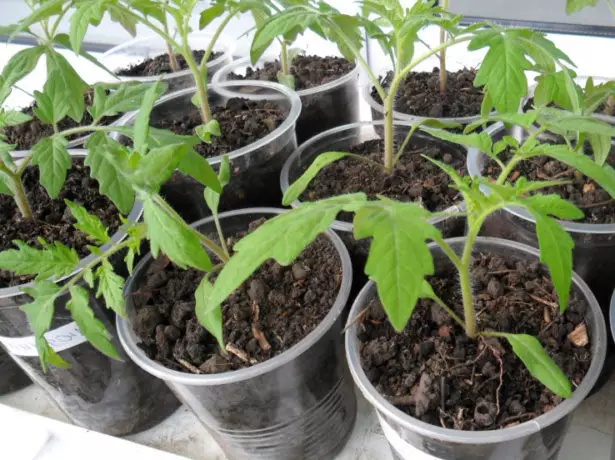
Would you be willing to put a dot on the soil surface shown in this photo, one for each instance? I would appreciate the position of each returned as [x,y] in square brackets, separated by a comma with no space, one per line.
[242,122]
[596,203]
[432,371]
[161,65]
[27,134]
[413,179]
[309,71]
[272,311]
[52,219]
[419,94]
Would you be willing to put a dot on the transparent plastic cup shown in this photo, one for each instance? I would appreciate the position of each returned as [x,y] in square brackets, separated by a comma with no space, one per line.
[12,378]
[99,393]
[255,168]
[537,439]
[323,107]
[341,139]
[299,404]
[138,50]
[377,110]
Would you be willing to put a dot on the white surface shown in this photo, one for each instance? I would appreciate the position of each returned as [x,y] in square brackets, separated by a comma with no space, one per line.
[25,436]
[589,437]
[59,339]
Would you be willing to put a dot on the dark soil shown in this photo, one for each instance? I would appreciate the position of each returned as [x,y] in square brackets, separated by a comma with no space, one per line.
[52,219]
[413,179]
[285,304]
[27,134]
[242,122]
[419,94]
[596,203]
[309,71]
[432,371]
[160,65]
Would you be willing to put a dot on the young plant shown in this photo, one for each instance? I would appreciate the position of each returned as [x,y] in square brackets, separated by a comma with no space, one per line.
[123,174]
[396,28]
[154,15]
[287,54]
[399,258]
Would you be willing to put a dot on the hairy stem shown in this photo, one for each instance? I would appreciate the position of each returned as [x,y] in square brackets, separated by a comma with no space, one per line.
[284,58]
[443,54]
[199,81]
[19,194]
[209,244]
[465,281]
[172,58]
[214,39]
[221,236]
[448,310]
[388,133]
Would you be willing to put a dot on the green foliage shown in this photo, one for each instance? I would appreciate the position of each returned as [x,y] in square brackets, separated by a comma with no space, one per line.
[210,316]
[91,327]
[398,258]
[51,156]
[173,238]
[88,223]
[20,65]
[205,131]
[68,85]
[86,13]
[572,6]
[110,287]
[538,362]
[212,196]
[108,162]
[111,100]
[55,260]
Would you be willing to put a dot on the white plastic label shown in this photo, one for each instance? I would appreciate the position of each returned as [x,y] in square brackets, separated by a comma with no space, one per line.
[59,339]
[403,449]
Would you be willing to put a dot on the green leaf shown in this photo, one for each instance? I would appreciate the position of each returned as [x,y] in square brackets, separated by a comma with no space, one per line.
[110,287]
[211,128]
[13,118]
[124,97]
[55,260]
[297,188]
[141,127]
[552,87]
[577,123]
[286,80]
[5,187]
[209,14]
[20,65]
[156,167]
[480,141]
[39,313]
[86,13]
[51,156]
[210,316]
[281,238]
[399,258]
[290,20]
[69,86]
[504,143]
[503,71]
[539,363]
[572,6]
[88,223]
[108,162]
[64,40]
[604,175]
[119,15]
[601,146]
[554,205]
[92,328]
[212,197]
[174,239]
[194,165]
[47,9]
[556,252]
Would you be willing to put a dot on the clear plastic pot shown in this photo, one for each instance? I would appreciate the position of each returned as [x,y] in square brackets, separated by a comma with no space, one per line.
[594,244]
[12,378]
[255,168]
[299,404]
[323,107]
[537,439]
[377,110]
[341,139]
[138,50]
[97,392]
